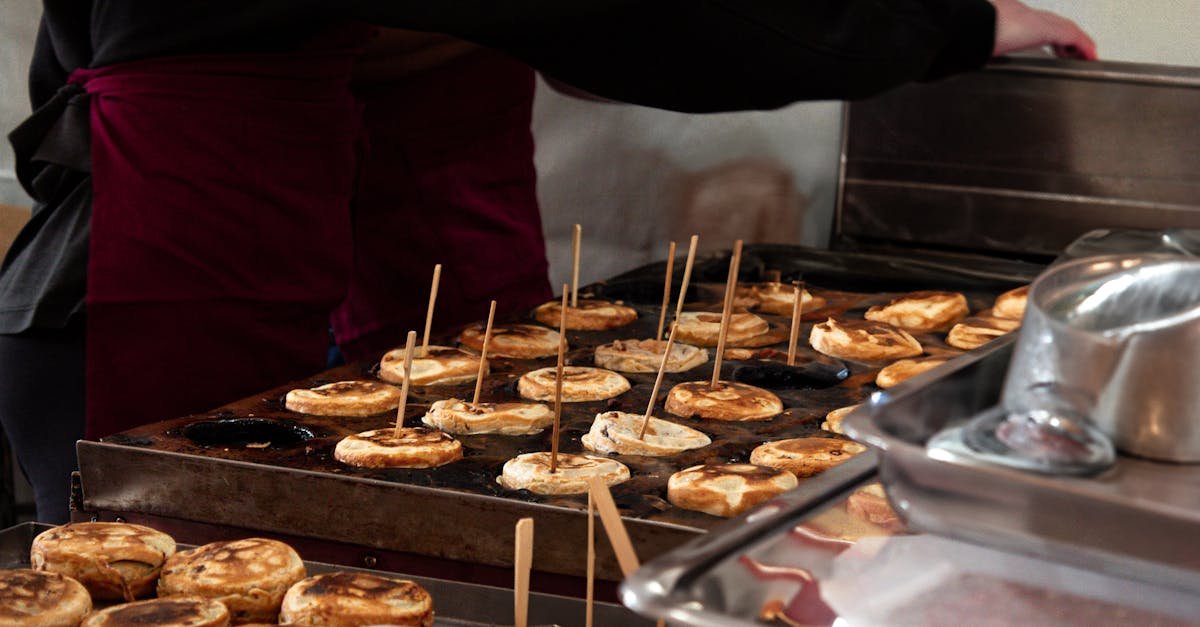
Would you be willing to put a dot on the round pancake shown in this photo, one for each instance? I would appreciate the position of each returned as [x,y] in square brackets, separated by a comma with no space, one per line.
[41,599]
[114,561]
[463,418]
[417,447]
[344,398]
[870,503]
[580,384]
[900,371]
[805,457]
[726,489]
[438,365]
[833,420]
[780,299]
[921,312]
[646,356]
[729,401]
[521,341]
[979,330]
[702,328]
[249,576]
[589,315]
[531,471]
[862,340]
[169,612]
[617,432]
[344,599]
[1011,304]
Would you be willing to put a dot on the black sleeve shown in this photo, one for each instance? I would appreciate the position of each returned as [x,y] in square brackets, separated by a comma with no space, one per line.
[715,55]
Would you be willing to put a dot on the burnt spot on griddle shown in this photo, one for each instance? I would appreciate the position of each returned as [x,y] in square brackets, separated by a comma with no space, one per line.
[247,433]
[647,292]
[810,374]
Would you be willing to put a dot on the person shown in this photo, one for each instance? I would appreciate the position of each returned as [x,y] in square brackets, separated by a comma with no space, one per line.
[194,168]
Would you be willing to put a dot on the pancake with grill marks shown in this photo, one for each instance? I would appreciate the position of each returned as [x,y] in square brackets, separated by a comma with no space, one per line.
[702,328]
[646,356]
[114,561]
[531,471]
[580,384]
[805,457]
[921,312]
[780,299]
[249,576]
[729,401]
[726,489]
[415,447]
[31,598]
[169,612]
[863,340]
[588,315]
[900,371]
[344,398]
[344,599]
[979,330]
[436,365]
[520,341]
[464,418]
[618,431]
[1011,304]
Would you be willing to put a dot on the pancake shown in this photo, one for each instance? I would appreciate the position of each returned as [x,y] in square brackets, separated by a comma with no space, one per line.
[520,341]
[344,599]
[833,420]
[617,432]
[580,384]
[921,312]
[417,447]
[438,365]
[463,418]
[805,457]
[870,503]
[249,576]
[736,402]
[169,612]
[114,561]
[862,340]
[726,489]
[41,599]
[979,330]
[531,471]
[344,398]
[589,315]
[1011,304]
[646,356]
[898,372]
[702,328]
[779,298]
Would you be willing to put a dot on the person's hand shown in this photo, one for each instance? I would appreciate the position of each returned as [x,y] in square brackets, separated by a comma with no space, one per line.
[1019,27]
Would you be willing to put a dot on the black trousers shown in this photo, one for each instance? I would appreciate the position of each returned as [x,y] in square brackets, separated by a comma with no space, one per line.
[42,410]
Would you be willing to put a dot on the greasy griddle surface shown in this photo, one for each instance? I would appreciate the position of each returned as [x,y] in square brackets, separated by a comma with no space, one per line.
[643,497]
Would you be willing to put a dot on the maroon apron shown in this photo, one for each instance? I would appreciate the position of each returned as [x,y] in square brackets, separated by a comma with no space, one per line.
[221,235]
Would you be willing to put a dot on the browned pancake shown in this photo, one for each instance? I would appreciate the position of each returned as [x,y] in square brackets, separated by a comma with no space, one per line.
[580,384]
[415,447]
[833,420]
[463,418]
[344,599]
[436,365]
[780,299]
[589,315]
[1011,304]
[863,340]
[900,371]
[979,330]
[805,457]
[114,561]
[344,398]
[646,356]
[726,489]
[522,341]
[171,612]
[531,471]
[40,599]
[922,311]
[729,401]
[249,576]
[701,328]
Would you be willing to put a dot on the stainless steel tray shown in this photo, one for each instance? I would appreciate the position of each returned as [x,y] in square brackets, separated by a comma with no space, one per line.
[454,603]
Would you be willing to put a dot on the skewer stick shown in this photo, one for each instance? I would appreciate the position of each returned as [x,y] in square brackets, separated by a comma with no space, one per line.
[558,381]
[433,290]
[662,370]
[408,358]
[687,274]
[797,309]
[522,560]
[591,561]
[618,537]
[487,337]
[662,317]
[727,312]
[576,240]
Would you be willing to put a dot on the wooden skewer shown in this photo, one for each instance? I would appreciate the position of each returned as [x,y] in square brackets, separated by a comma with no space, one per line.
[408,358]
[522,560]
[662,317]
[576,241]
[433,290]
[662,370]
[687,274]
[618,537]
[558,382]
[487,337]
[591,561]
[797,310]
[727,312]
